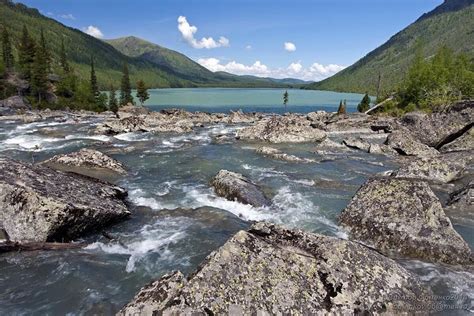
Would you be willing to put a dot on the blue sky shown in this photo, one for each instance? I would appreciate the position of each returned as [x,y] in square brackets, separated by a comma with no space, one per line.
[249,36]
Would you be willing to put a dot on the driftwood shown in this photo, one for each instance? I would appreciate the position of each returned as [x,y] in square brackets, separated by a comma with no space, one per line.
[378,105]
[32,246]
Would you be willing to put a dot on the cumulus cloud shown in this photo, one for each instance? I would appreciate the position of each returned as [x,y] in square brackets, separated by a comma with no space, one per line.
[93,31]
[248,47]
[188,31]
[289,46]
[68,16]
[315,72]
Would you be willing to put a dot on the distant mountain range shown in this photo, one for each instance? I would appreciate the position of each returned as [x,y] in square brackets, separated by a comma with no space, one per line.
[451,24]
[158,66]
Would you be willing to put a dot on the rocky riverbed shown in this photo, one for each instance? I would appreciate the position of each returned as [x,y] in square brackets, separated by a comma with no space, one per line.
[260,213]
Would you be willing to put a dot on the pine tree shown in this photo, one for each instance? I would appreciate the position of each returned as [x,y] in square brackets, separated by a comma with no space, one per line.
[26,53]
[93,81]
[364,105]
[40,71]
[63,59]
[8,59]
[285,98]
[125,87]
[113,105]
[142,92]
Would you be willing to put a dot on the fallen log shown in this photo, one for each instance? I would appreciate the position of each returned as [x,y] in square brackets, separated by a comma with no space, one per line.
[32,246]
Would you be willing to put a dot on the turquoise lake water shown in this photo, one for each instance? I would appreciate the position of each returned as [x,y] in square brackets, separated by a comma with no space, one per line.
[249,100]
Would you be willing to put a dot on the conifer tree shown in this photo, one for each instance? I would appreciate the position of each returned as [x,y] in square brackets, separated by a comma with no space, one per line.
[8,60]
[142,92]
[113,105]
[125,87]
[93,81]
[26,53]
[364,105]
[44,50]
[63,59]
[40,70]
[342,107]
[285,98]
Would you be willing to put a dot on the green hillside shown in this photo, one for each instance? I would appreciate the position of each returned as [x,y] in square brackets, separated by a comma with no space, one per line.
[450,24]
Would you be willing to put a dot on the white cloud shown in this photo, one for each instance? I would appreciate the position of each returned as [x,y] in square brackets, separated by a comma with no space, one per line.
[93,31]
[248,47]
[315,72]
[188,31]
[68,16]
[289,46]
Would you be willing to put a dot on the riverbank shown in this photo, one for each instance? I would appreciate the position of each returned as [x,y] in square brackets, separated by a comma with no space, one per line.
[307,168]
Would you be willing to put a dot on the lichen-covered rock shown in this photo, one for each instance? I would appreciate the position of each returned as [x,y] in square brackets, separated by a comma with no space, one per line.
[463,142]
[39,204]
[442,168]
[356,143]
[404,218]
[15,103]
[235,187]
[277,154]
[88,158]
[460,206]
[125,125]
[404,144]
[282,129]
[271,270]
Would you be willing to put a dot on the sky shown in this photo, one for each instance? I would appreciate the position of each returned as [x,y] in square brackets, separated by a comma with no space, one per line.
[304,39]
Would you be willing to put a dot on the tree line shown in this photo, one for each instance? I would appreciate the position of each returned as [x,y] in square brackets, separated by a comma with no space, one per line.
[53,83]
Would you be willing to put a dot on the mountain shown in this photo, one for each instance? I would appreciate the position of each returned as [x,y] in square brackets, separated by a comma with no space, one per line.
[451,24]
[158,66]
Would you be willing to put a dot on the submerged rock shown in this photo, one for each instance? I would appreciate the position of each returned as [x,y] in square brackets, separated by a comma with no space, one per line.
[404,218]
[282,129]
[277,154]
[39,204]
[443,168]
[88,158]
[235,187]
[271,270]
[404,144]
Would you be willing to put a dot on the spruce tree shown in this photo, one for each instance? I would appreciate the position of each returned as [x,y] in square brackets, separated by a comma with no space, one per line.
[8,60]
[40,71]
[93,82]
[26,53]
[44,50]
[285,98]
[63,59]
[364,105]
[125,87]
[142,92]
[113,105]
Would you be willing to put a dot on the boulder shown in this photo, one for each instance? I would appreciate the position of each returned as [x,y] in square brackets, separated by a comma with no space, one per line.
[15,103]
[443,168]
[460,206]
[124,125]
[463,142]
[88,158]
[40,204]
[405,145]
[277,154]
[404,218]
[235,187]
[271,270]
[435,128]
[356,143]
[282,129]
[238,117]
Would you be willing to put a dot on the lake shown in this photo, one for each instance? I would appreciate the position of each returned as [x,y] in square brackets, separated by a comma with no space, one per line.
[250,100]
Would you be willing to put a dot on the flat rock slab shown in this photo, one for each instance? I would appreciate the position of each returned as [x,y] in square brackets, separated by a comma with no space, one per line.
[406,145]
[235,187]
[87,158]
[282,129]
[39,204]
[404,218]
[277,154]
[270,270]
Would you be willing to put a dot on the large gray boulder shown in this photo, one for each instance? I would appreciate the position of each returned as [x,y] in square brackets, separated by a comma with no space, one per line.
[404,218]
[87,158]
[282,129]
[406,145]
[14,104]
[463,142]
[235,187]
[442,168]
[39,204]
[279,155]
[460,206]
[271,270]
[357,143]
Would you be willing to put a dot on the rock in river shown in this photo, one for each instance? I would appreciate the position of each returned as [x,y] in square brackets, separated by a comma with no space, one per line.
[88,158]
[404,144]
[39,204]
[277,154]
[404,218]
[282,129]
[235,187]
[271,270]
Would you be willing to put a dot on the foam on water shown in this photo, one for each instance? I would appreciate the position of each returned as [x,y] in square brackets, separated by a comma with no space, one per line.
[133,137]
[101,138]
